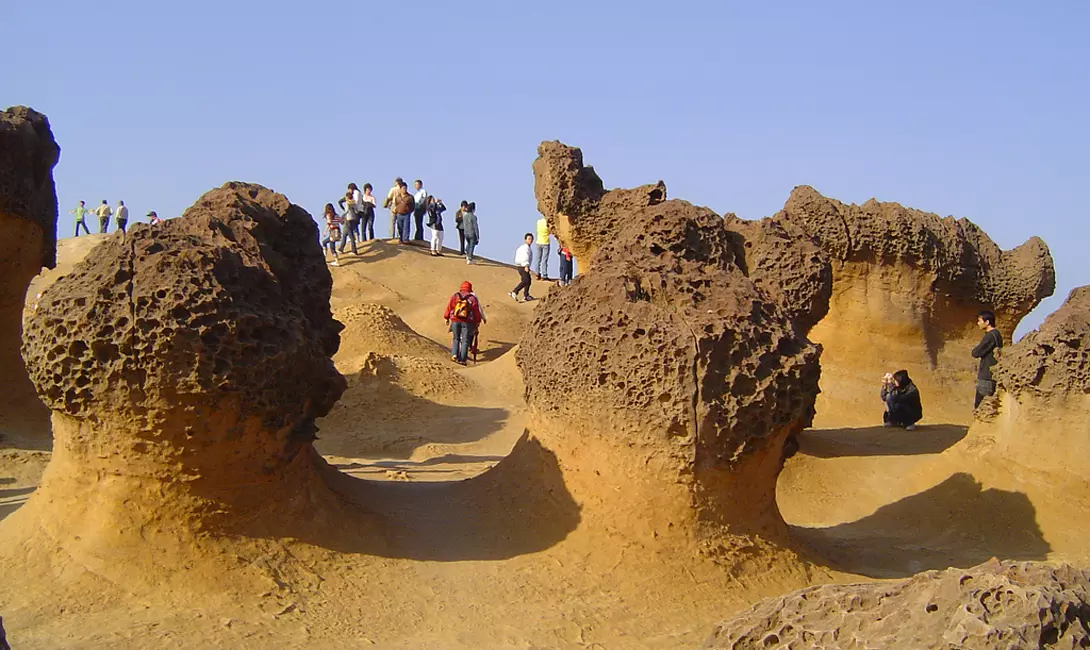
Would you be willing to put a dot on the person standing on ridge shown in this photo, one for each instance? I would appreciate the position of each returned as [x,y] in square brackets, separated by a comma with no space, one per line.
[350,210]
[471,230]
[332,232]
[987,351]
[367,213]
[566,266]
[464,315]
[420,201]
[458,225]
[153,217]
[389,203]
[541,250]
[435,222]
[80,212]
[103,213]
[522,263]
[122,214]
[403,209]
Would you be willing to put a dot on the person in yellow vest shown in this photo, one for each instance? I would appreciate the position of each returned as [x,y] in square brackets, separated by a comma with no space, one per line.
[541,250]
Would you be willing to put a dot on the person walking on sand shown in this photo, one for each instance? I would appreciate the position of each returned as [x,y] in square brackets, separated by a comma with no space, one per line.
[988,351]
[541,250]
[420,203]
[389,203]
[332,232]
[458,225]
[902,398]
[403,209]
[103,213]
[435,222]
[471,230]
[350,210]
[463,315]
[122,214]
[367,213]
[81,212]
[522,264]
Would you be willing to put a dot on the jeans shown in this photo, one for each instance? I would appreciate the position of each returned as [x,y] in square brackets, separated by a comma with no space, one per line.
[403,225]
[349,233]
[565,271]
[436,241]
[461,338]
[984,388]
[367,227]
[330,241]
[121,223]
[461,242]
[418,220]
[470,245]
[103,225]
[524,283]
[541,260]
[80,223]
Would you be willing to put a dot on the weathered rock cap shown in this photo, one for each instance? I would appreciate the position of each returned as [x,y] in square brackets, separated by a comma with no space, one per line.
[228,305]
[28,154]
[1053,361]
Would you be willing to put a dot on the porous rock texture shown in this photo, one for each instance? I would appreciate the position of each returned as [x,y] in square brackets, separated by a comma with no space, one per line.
[907,286]
[28,242]
[664,380]
[185,365]
[993,605]
[1038,423]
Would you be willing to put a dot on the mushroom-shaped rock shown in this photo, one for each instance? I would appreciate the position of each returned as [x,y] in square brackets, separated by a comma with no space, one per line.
[28,242]
[907,286]
[993,605]
[664,380]
[185,365]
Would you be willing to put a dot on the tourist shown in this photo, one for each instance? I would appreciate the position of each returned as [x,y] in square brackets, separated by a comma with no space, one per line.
[522,264]
[389,203]
[458,225]
[103,213]
[541,250]
[988,352]
[471,230]
[420,201]
[566,266]
[122,214]
[463,315]
[80,212]
[332,232]
[435,222]
[153,217]
[403,209]
[902,398]
[367,213]
[350,205]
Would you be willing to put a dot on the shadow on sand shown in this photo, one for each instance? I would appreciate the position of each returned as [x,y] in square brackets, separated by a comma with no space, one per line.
[954,524]
[11,499]
[880,441]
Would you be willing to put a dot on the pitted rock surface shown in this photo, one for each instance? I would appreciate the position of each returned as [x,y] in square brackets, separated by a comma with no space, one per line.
[994,605]
[670,348]
[1053,361]
[28,154]
[226,308]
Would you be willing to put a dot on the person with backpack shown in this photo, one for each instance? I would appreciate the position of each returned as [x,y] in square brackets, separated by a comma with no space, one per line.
[389,203]
[458,225]
[103,213]
[523,256]
[122,215]
[902,398]
[435,222]
[403,208]
[367,213]
[566,266]
[471,230]
[988,351]
[420,208]
[81,211]
[541,250]
[464,315]
[332,232]
[350,206]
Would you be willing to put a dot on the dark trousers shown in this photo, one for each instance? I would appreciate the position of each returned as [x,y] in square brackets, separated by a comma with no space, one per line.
[461,338]
[121,223]
[461,242]
[565,271]
[103,225]
[524,282]
[897,415]
[84,225]
[984,388]
[418,221]
[367,227]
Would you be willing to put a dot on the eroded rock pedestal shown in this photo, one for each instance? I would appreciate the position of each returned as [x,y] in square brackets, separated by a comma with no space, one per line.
[28,242]
[664,380]
[185,365]
[994,605]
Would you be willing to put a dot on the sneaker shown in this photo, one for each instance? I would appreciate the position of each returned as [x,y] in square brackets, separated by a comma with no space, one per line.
[334,263]
[513,296]
[911,427]
[528,298]
[454,359]
[888,425]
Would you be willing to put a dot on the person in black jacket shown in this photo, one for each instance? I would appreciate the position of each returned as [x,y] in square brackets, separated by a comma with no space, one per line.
[902,398]
[988,353]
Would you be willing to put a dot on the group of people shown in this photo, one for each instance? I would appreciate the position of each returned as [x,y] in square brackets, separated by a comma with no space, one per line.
[902,398]
[532,262]
[104,212]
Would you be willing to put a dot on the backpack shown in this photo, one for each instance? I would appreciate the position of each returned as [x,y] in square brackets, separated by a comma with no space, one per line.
[465,308]
[404,203]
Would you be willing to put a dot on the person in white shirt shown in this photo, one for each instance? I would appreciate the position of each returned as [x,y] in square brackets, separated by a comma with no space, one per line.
[522,262]
[367,213]
[389,203]
[103,213]
[420,196]
[122,214]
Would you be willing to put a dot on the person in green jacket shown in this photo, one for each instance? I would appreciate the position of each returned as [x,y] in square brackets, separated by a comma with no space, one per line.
[80,212]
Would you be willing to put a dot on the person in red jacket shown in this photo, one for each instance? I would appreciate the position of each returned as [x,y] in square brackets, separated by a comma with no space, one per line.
[464,315]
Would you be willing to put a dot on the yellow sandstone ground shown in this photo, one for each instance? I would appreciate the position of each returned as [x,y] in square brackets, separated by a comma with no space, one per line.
[469,563]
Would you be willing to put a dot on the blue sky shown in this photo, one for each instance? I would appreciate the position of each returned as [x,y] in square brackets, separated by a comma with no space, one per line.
[976,109]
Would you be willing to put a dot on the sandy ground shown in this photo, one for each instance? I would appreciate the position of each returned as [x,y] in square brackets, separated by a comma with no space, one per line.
[468,568]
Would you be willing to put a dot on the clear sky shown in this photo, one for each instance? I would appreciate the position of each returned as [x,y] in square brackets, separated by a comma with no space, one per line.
[976,108]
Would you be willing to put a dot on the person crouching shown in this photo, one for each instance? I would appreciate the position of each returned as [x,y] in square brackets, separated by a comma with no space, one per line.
[902,398]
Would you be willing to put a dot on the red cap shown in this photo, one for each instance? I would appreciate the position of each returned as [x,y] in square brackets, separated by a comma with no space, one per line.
[467,286]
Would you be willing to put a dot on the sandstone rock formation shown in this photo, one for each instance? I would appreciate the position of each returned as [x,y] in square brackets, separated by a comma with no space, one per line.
[664,380]
[185,365]
[994,605]
[907,286]
[28,241]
